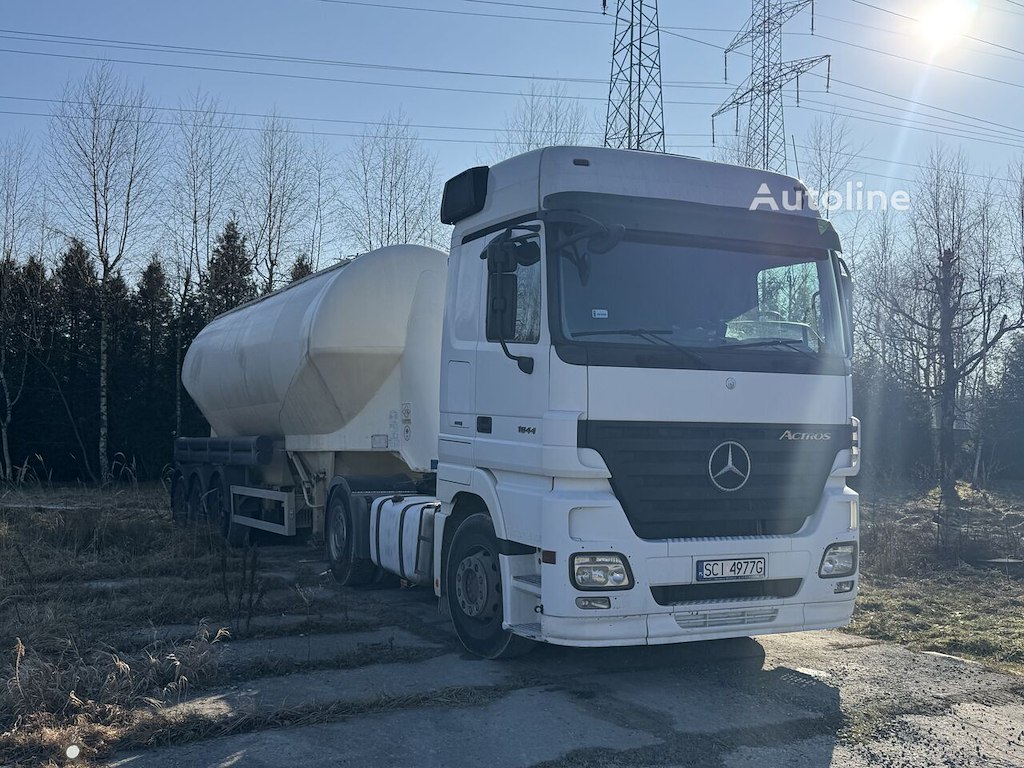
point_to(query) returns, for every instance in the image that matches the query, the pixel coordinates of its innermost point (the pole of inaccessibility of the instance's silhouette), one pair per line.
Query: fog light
(841, 587)
(839, 560)
(591, 603)
(600, 570)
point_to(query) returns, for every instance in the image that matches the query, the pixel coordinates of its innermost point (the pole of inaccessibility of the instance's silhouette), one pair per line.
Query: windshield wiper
(793, 344)
(654, 336)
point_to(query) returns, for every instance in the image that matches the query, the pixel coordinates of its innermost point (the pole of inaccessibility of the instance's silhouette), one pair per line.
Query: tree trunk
(177, 376)
(949, 500)
(104, 463)
(6, 472)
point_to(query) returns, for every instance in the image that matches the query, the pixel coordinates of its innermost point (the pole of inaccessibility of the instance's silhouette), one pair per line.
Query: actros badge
(729, 466)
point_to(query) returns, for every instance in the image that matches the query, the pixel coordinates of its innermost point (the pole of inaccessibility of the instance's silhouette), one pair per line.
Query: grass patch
(917, 595)
(81, 570)
(964, 612)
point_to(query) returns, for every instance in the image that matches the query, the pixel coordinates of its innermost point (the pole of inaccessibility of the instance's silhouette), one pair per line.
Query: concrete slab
(707, 704)
(326, 687)
(277, 623)
(814, 752)
(522, 729)
(311, 647)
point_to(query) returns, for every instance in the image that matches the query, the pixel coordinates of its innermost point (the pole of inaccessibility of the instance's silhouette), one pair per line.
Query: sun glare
(942, 23)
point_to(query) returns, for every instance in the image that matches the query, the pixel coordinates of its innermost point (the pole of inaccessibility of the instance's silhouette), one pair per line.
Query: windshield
(710, 296)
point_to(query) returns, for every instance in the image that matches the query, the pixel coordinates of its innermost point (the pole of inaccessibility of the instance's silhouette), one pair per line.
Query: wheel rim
(476, 594)
(195, 502)
(339, 534)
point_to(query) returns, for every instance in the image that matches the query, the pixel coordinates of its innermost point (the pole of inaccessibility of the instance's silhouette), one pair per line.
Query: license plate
(732, 569)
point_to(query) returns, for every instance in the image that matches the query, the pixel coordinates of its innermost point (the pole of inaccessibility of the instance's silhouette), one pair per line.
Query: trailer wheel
(194, 504)
(348, 569)
(218, 505)
(473, 580)
(179, 501)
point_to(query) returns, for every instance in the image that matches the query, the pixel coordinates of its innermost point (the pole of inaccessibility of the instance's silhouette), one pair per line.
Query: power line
(932, 65)
(306, 118)
(917, 20)
(930, 130)
(970, 120)
(298, 132)
(99, 42)
(895, 32)
(450, 89)
(316, 78)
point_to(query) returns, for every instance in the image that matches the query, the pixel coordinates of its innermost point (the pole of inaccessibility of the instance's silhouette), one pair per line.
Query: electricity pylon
(635, 118)
(762, 90)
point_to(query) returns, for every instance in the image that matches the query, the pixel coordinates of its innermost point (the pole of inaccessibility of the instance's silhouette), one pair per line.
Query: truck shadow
(701, 702)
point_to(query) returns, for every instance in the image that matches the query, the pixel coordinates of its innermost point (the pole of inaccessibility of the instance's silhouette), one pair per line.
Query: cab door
(512, 394)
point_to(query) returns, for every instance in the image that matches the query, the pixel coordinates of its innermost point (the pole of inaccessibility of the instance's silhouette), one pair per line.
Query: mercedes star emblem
(729, 466)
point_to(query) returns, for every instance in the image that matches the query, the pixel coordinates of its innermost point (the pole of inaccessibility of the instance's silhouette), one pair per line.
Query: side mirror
(501, 256)
(527, 253)
(605, 241)
(503, 290)
(504, 256)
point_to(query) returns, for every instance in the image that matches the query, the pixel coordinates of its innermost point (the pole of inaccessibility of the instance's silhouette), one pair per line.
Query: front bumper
(695, 623)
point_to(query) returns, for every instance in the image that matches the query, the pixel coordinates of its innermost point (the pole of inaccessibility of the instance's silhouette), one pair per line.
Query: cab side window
(518, 290)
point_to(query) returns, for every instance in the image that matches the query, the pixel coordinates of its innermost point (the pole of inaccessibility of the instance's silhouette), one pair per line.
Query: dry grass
(68, 675)
(916, 594)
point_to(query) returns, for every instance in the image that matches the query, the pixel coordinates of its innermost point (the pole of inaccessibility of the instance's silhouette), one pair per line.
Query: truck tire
(348, 570)
(219, 508)
(473, 589)
(194, 500)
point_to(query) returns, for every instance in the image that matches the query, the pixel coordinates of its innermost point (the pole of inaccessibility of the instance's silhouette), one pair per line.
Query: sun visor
(701, 221)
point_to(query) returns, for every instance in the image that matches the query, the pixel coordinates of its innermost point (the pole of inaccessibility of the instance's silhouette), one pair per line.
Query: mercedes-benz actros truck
(617, 412)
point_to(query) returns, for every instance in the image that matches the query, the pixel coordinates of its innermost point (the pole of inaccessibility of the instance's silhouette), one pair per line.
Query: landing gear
(473, 580)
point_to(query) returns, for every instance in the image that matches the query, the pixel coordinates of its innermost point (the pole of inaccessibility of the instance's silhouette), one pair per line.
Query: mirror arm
(525, 363)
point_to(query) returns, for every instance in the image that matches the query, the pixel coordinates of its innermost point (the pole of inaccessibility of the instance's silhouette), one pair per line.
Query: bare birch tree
(390, 189)
(104, 161)
(200, 177)
(544, 117)
(17, 204)
(274, 199)
(832, 155)
(321, 222)
(950, 296)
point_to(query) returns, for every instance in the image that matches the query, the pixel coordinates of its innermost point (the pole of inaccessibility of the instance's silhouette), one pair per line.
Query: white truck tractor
(617, 412)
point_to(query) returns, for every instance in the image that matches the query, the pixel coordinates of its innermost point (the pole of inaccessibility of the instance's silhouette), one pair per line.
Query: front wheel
(347, 569)
(473, 579)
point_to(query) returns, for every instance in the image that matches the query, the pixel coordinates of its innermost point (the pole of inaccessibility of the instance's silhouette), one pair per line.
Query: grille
(740, 618)
(659, 473)
(725, 590)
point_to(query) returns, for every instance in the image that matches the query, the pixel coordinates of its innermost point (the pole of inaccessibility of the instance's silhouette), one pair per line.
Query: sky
(903, 71)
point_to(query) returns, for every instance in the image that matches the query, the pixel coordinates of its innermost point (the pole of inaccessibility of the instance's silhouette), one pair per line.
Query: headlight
(600, 570)
(839, 560)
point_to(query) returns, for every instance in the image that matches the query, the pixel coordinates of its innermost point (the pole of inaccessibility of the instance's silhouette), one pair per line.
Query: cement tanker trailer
(618, 412)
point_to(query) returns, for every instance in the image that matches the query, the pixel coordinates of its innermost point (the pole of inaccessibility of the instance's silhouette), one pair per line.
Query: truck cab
(646, 420)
